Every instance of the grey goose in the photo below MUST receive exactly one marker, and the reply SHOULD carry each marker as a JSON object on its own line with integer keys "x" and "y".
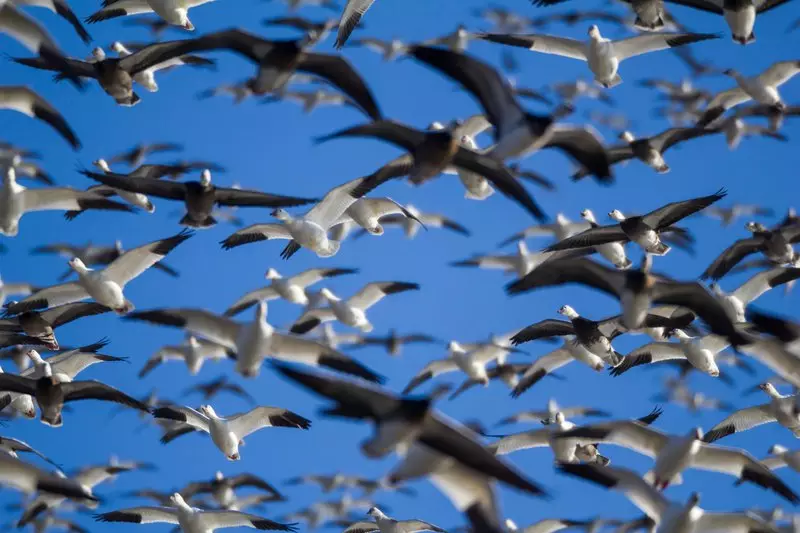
{"x": 649, "y": 150}
{"x": 643, "y": 230}
{"x": 115, "y": 75}
{"x": 637, "y": 290}
{"x": 104, "y": 286}
{"x": 400, "y": 421}
{"x": 26, "y": 101}
{"x": 277, "y": 61}
{"x": 435, "y": 151}
{"x": 776, "y": 245}
{"x": 516, "y": 131}
{"x": 200, "y": 197}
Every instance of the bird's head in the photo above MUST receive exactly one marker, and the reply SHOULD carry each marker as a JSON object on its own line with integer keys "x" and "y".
{"x": 594, "y": 31}
{"x": 77, "y": 265}
{"x": 102, "y": 164}
{"x": 375, "y": 512}
{"x": 755, "y": 226}
{"x": 118, "y": 47}
{"x": 777, "y": 449}
{"x": 272, "y": 274}
{"x": 208, "y": 411}
{"x": 730, "y": 72}
{"x": 219, "y": 476}
{"x": 177, "y": 500}
{"x": 455, "y": 347}
{"x": 567, "y": 311}
{"x": 696, "y": 433}
{"x": 326, "y": 293}
{"x": 205, "y": 177}
{"x": 627, "y": 136}
{"x": 280, "y": 214}
{"x": 617, "y": 215}
{"x": 98, "y": 54}
{"x": 588, "y": 216}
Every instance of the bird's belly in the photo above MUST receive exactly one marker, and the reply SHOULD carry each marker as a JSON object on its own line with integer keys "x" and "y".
{"x": 147, "y": 80}
{"x": 106, "y": 292}
{"x": 270, "y": 79}
{"x": 563, "y": 450}
{"x": 311, "y": 236}
{"x": 613, "y": 252}
{"x": 477, "y": 187}
{"x": 515, "y": 143}
{"x": 388, "y": 436}
{"x": 117, "y": 83}
{"x": 350, "y": 316}
{"x": 602, "y": 62}
{"x": 634, "y": 309}
{"x": 765, "y": 95}
{"x": 293, "y": 294}
{"x": 250, "y": 348}
{"x": 134, "y": 198}
{"x": 741, "y": 22}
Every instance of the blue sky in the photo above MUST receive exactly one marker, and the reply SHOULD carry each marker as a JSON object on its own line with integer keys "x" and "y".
{"x": 271, "y": 148}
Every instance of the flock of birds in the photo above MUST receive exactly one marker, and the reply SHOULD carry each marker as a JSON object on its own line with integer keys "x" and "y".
{"x": 695, "y": 326}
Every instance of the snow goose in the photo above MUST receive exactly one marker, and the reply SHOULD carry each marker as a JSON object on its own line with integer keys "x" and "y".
{"x": 726, "y": 215}
{"x": 595, "y": 336}
{"x": 29, "y": 479}
{"x": 104, "y": 286}
{"x": 649, "y": 150}
{"x": 472, "y": 362}
{"x": 228, "y": 433}
{"x": 175, "y": 12}
{"x": 115, "y": 75}
{"x": 330, "y": 483}
{"x": 762, "y": 88}
{"x": 780, "y": 456}
{"x": 670, "y": 517}
{"x": 317, "y": 31}
{"x": 637, "y": 290}
{"x": 291, "y": 289}
{"x": 613, "y": 252}
{"x": 277, "y": 61}
{"x": 435, "y": 151}
{"x": 571, "y": 350}
{"x": 780, "y": 409}
{"x": 223, "y": 488}
{"x": 387, "y": 524}
{"x": 311, "y": 100}
{"x": 21, "y": 404}
{"x": 65, "y": 366}
{"x": 309, "y": 230}
{"x": 11, "y": 289}
{"x": 26, "y": 169}
{"x": 736, "y": 302}
{"x": 194, "y": 352}
{"x": 92, "y": 255}
{"x": 41, "y": 324}
{"x": 88, "y": 478}
{"x": 393, "y": 343}
{"x": 455, "y": 41}
{"x": 675, "y": 453}
{"x": 472, "y": 492}
{"x": 200, "y": 197}
{"x": 137, "y": 155}
{"x": 369, "y": 212}
{"x": 516, "y": 131}
{"x": 602, "y": 55}
{"x": 239, "y": 91}
{"x": 519, "y": 264}
{"x": 399, "y": 422}
{"x": 678, "y": 393}
{"x": 389, "y": 50}
{"x": 562, "y": 228}
{"x": 352, "y": 311}
{"x": 547, "y": 416}
{"x": 251, "y": 342}
{"x": 564, "y": 451}
{"x": 650, "y": 14}
{"x": 569, "y": 92}
{"x": 413, "y": 219}
{"x": 736, "y": 129}
{"x": 24, "y": 100}
{"x": 51, "y": 394}
{"x": 191, "y": 520}
{"x": 776, "y": 245}
{"x": 779, "y": 349}
{"x": 147, "y": 78}
{"x": 17, "y": 200}
{"x": 643, "y": 230}
{"x": 699, "y": 352}
{"x": 62, "y": 9}
{"x": 212, "y": 388}
{"x": 12, "y": 447}
{"x": 740, "y": 16}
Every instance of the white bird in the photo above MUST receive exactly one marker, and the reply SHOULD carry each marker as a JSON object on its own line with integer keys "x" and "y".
{"x": 175, "y": 12}
{"x": 736, "y": 302}
{"x": 602, "y": 55}
{"x": 251, "y": 342}
{"x": 309, "y": 230}
{"x": 351, "y": 312}
{"x": 26, "y": 101}
{"x": 414, "y": 219}
{"x": 562, "y": 228}
{"x": 762, "y": 88}
{"x": 518, "y": 264}
{"x": 614, "y": 252}
{"x": 675, "y": 453}
{"x": 134, "y": 198}
{"x": 351, "y": 16}
{"x": 16, "y": 201}
{"x": 387, "y": 524}
{"x": 670, "y": 517}
{"x": 291, "y": 289}
{"x": 547, "y": 416}
{"x": 12, "y": 289}
{"x": 740, "y": 16}
{"x": 191, "y": 520}
{"x": 780, "y": 409}
{"x": 389, "y": 50}
{"x": 28, "y": 479}
{"x": 104, "y": 286}
{"x": 228, "y": 433}
{"x": 65, "y": 366}
{"x": 194, "y": 352}
{"x": 699, "y": 351}
{"x": 571, "y": 350}
{"x": 147, "y": 77}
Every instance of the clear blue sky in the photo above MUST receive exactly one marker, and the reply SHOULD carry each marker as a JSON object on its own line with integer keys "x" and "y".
{"x": 270, "y": 148}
